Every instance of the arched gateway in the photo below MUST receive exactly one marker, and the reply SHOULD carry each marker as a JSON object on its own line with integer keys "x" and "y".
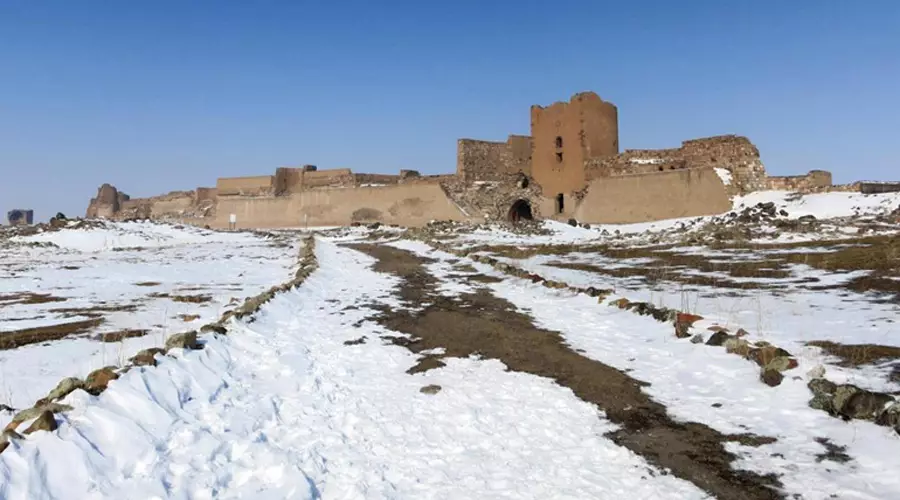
{"x": 520, "y": 210}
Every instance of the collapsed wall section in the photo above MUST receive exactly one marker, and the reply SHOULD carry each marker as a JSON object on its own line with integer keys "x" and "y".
{"x": 489, "y": 161}
{"x": 814, "y": 180}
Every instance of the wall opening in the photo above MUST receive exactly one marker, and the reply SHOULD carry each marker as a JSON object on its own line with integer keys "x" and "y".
{"x": 520, "y": 210}
{"x": 560, "y": 203}
{"x": 559, "y": 142}
{"x": 559, "y": 157}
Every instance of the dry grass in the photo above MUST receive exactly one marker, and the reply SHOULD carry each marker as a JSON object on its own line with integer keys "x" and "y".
{"x": 120, "y": 335}
{"x": 852, "y": 355}
{"x": 148, "y": 283}
{"x": 94, "y": 311}
{"x": 192, "y": 299}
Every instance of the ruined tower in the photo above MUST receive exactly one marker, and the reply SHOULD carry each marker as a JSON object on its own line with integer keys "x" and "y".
{"x": 565, "y": 135}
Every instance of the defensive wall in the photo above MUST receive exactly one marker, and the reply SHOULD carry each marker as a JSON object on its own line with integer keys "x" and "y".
{"x": 569, "y": 167}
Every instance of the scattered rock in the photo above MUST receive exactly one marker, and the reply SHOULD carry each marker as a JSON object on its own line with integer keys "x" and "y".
{"x": 97, "y": 381}
{"x": 7, "y": 436}
{"x": 430, "y": 389}
{"x": 841, "y": 395}
{"x": 771, "y": 378}
{"x": 718, "y": 329}
{"x": 764, "y": 355}
{"x": 781, "y": 364}
{"x": 683, "y": 323}
{"x": 63, "y": 389}
{"x": 573, "y": 222}
{"x": 30, "y": 413}
{"x": 147, "y": 357}
{"x": 865, "y": 405}
{"x": 823, "y": 394}
{"x": 697, "y": 339}
{"x": 44, "y": 422}
{"x": 184, "y": 340}
{"x": 817, "y": 372}
{"x": 737, "y": 345}
{"x": 890, "y": 417}
{"x": 719, "y": 338}
{"x": 213, "y": 328}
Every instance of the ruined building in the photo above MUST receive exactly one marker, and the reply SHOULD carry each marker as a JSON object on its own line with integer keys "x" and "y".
{"x": 19, "y": 217}
{"x": 569, "y": 167}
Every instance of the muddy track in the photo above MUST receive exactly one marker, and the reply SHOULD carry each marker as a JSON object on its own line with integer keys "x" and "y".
{"x": 480, "y": 323}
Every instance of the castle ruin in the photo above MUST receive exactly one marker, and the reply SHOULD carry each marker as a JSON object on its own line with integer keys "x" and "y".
{"x": 569, "y": 167}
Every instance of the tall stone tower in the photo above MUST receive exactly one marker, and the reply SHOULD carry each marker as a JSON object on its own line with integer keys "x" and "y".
{"x": 565, "y": 134}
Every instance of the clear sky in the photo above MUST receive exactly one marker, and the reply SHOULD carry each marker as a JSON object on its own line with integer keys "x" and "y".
{"x": 154, "y": 96}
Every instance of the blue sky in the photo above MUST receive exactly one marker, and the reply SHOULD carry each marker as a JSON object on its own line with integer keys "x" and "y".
{"x": 168, "y": 95}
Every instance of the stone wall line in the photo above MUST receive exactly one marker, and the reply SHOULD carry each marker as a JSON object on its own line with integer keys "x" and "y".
{"x": 97, "y": 381}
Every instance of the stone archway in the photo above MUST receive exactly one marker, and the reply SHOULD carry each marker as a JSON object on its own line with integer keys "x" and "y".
{"x": 520, "y": 210}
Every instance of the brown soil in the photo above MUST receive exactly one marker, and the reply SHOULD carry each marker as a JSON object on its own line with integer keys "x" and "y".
{"x": 858, "y": 354}
{"x": 120, "y": 335}
{"x": 8, "y": 299}
{"x": 92, "y": 312}
{"x": 18, "y": 338}
{"x": 148, "y": 283}
{"x": 193, "y": 299}
{"x": 482, "y": 324}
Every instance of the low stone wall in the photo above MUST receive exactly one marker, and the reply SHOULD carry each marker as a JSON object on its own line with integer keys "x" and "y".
{"x": 815, "y": 179}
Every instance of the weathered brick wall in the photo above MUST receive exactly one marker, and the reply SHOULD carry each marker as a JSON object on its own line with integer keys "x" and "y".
{"x": 20, "y": 217}
{"x": 733, "y": 152}
{"x": 492, "y": 200}
{"x": 376, "y": 179}
{"x": 246, "y": 186}
{"x": 487, "y": 160}
{"x": 815, "y": 179}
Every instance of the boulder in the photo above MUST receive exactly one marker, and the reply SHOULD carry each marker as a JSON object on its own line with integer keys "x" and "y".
{"x": 864, "y": 405}
{"x": 30, "y": 413}
{"x": 573, "y": 222}
{"x": 697, "y": 339}
{"x": 781, "y": 364}
{"x": 44, "y": 422}
{"x": 817, "y": 372}
{"x": 147, "y": 357}
{"x": 683, "y": 323}
{"x": 764, "y": 355}
{"x": 718, "y": 338}
{"x": 7, "y": 436}
{"x": 823, "y": 394}
{"x": 737, "y": 346}
{"x": 890, "y": 417}
{"x": 430, "y": 389}
{"x": 97, "y": 381}
{"x": 184, "y": 340}
{"x": 213, "y": 328}
{"x": 771, "y": 378}
{"x": 62, "y": 389}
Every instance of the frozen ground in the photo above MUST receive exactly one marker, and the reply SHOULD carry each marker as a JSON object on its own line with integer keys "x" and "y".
{"x": 139, "y": 280}
{"x": 320, "y": 397}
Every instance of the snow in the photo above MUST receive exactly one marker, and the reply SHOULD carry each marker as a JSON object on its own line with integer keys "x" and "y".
{"x": 281, "y": 408}
{"x": 823, "y": 205}
{"x": 226, "y": 267}
{"x": 725, "y": 175}
{"x": 689, "y": 379}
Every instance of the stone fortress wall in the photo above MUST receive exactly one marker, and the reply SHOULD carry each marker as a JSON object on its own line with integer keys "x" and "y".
{"x": 569, "y": 167}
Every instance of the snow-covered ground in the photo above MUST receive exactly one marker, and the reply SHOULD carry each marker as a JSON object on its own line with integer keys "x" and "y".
{"x": 137, "y": 286}
{"x": 294, "y": 405}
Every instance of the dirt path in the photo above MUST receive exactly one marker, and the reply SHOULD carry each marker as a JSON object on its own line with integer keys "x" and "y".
{"x": 491, "y": 327}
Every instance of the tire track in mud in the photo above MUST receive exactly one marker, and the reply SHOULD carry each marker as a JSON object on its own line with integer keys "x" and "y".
{"x": 483, "y": 324}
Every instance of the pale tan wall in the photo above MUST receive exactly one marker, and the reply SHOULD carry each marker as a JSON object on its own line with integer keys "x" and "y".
{"x": 588, "y": 127}
{"x": 404, "y": 204}
{"x": 245, "y": 185}
{"x": 663, "y": 195}
{"x": 159, "y": 207}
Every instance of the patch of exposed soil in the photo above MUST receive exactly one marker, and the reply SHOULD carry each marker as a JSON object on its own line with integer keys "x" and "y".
{"x": 832, "y": 452}
{"x": 482, "y": 324}
{"x": 93, "y": 311}
{"x": 120, "y": 335}
{"x": 18, "y": 338}
{"x": 192, "y": 299}
{"x": 148, "y": 283}
{"x": 858, "y": 354}
{"x": 8, "y": 299}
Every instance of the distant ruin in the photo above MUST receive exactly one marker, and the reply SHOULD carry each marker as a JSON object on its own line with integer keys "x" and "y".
{"x": 20, "y": 217}
{"x": 570, "y": 167}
